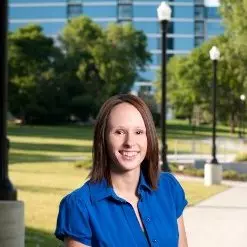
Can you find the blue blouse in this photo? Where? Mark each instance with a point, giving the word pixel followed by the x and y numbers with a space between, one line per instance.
pixel 94 215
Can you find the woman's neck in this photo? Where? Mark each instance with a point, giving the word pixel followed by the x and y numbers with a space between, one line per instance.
pixel 125 184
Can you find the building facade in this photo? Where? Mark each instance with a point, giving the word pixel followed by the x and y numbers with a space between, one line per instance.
pixel 193 21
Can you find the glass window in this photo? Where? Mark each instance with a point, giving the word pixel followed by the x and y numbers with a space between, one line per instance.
pixel 145 11
pixel 148 27
pixel 38 12
pixel 177 43
pixel 212 13
pixel 199 2
pixel 148 75
pixel 100 12
pixel 199 27
pixel 183 27
pixel 199 12
pixel 214 28
pixel 73 1
pixel 152 43
pixel 124 12
pixel 169 43
pixel 35 1
pixel 183 43
pixel 74 10
pixel 125 1
pixel 198 41
pixel 183 12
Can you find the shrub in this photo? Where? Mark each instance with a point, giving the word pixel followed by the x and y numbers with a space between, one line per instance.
pixel 241 157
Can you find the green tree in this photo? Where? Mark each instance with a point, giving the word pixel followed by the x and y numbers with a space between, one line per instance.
pixel 190 81
pixel 102 62
pixel 34 93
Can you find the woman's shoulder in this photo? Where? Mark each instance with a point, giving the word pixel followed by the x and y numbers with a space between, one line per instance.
pixel 167 179
pixel 80 194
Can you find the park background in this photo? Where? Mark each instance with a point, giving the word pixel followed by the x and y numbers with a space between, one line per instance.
pixel 56 90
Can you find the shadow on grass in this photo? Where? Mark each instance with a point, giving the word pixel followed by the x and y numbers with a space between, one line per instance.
pixel 67 132
pixel 29 158
pixel 43 189
pixel 50 147
pixel 35 237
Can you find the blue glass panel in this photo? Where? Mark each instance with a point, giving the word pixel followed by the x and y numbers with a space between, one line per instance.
pixel 145 11
pixel 37 12
pixel 183 27
pixel 152 43
pixel 148 27
pixel 102 11
pixel 215 28
pixel 148 75
pixel 125 12
pixel 212 13
pixel 183 43
pixel 48 28
pixel 37 1
pixel 183 12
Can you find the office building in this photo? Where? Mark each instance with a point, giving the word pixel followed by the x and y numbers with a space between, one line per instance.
pixel 193 21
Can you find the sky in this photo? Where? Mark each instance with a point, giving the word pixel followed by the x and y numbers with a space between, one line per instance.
pixel 212 3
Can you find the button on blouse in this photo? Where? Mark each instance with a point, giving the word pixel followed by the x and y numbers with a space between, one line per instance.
pixel 94 215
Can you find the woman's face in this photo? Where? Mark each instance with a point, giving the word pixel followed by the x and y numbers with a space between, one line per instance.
pixel 126 138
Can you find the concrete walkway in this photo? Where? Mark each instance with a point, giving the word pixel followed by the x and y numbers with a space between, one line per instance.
pixel 220 220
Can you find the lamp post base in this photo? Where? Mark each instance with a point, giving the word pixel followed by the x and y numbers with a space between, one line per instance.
pixel 12 230
pixel 212 174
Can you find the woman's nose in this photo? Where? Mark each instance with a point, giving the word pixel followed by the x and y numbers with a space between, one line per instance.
pixel 129 140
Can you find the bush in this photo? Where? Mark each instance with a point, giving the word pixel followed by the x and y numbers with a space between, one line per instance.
pixel 191 171
pixel 241 157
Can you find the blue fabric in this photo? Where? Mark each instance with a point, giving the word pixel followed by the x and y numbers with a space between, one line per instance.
pixel 94 215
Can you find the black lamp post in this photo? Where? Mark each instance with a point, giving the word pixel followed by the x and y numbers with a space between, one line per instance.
pixel 242 127
pixel 214 56
pixel 164 16
pixel 7 191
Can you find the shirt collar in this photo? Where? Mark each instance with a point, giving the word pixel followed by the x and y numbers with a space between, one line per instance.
pixel 102 190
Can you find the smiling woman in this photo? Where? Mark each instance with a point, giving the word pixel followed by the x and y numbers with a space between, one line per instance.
pixel 127 201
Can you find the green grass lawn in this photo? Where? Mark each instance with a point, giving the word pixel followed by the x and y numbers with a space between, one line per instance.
pixel 42 177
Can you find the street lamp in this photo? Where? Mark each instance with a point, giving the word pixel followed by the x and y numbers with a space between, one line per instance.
pixel 214 56
pixel 213 170
pixel 164 16
pixel 7 191
pixel 242 98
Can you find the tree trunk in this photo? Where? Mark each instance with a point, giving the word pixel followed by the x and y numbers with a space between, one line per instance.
pixel 232 123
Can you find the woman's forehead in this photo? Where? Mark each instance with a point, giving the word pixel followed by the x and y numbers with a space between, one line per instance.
pixel 125 114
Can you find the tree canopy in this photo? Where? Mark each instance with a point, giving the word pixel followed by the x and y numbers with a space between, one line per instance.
pixel 48 83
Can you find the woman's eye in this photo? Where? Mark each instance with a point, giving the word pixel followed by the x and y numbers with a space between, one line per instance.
pixel 139 132
pixel 119 132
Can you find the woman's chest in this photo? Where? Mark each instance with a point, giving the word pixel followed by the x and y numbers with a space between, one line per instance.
pixel 118 224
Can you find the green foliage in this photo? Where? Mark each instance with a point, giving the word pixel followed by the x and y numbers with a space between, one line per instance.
pixel 47 84
pixel 35 94
pixel 241 157
pixel 104 62
pixel 191 171
pixel 190 81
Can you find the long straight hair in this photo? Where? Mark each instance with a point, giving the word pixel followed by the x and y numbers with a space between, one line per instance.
pixel 101 160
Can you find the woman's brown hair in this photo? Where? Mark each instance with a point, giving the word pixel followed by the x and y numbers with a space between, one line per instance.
pixel 101 166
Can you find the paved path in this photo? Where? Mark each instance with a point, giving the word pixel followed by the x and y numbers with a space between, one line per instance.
pixel 220 221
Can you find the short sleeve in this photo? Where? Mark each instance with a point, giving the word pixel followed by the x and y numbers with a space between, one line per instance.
pixel 178 194
pixel 73 221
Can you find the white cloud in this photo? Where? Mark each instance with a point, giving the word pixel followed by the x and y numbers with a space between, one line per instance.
pixel 212 3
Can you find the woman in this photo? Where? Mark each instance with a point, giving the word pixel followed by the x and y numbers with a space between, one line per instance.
pixel 127 201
